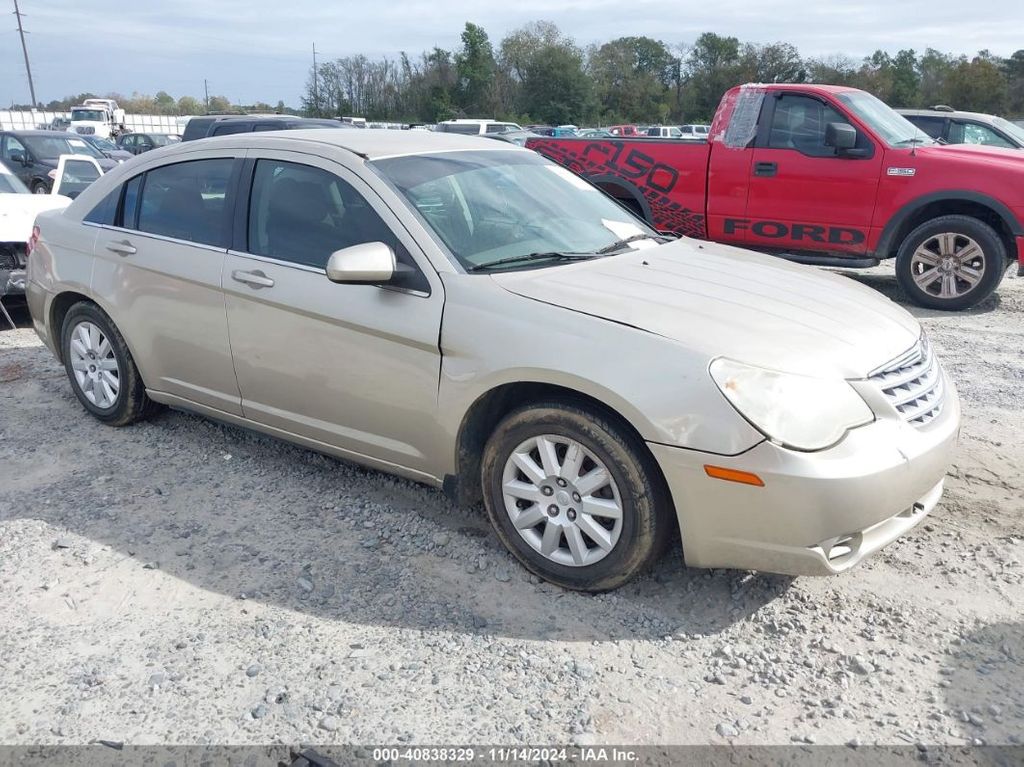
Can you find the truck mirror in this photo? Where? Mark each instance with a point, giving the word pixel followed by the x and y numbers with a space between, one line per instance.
pixel 841 136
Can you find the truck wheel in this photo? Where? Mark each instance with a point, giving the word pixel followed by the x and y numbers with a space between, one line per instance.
pixel 573 498
pixel 951 263
pixel 40 187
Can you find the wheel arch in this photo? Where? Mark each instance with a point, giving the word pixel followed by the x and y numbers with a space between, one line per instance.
pixel 61 304
pixel 625 193
pixel 464 486
pixel 954 202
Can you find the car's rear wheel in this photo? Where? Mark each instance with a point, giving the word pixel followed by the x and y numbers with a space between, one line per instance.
pixel 571 494
pixel 102 372
pixel 951 263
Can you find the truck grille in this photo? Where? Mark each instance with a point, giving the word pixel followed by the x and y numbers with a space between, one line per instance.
pixel 85 130
pixel 913 384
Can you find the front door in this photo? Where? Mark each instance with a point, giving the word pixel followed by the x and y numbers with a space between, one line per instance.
pixel 355 367
pixel 802 195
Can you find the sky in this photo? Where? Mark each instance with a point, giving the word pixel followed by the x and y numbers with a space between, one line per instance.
pixel 261 50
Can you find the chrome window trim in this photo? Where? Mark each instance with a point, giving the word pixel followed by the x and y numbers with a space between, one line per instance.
pixel 160 237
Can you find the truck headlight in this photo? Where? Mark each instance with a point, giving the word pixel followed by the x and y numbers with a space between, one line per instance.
pixel 796 411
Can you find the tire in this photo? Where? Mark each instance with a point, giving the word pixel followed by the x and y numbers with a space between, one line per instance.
pixel 129 402
pixel 946 285
pixel 40 187
pixel 632 543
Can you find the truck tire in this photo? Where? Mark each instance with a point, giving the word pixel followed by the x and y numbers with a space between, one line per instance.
pixel 951 263
pixel 573 497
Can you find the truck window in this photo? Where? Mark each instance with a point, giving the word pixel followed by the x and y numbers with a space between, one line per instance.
pixel 933 126
pixel 743 123
pixel 973 133
pixel 799 123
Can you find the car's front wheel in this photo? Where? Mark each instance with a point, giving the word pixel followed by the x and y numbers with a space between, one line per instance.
pixel 39 187
pixel 102 372
pixel 951 263
pixel 574 497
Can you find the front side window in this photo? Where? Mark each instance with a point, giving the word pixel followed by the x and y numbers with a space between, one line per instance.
pixel 186 201
pixel 498 205
pixel 13 149
pixel 303 214
pixel 799 123
pixel 11 185
pixel 934 127
pixel 973 133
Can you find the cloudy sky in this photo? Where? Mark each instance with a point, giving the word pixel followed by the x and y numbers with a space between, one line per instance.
pixel 260 49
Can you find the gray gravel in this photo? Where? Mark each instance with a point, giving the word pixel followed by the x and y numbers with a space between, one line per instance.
pixel 185 582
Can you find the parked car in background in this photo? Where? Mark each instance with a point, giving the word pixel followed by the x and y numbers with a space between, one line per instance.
pixel 33 155
pixel 663 131
pixel 225 125
pixel 623 130
pixel 477 318
pixel 137 143
pixel 953 127
pixel 694 131
pixel 18 211
pixel 98 117
pixel 517 137
pixel 826 175
pixel 475 127
pixel 59 124
pixel 593 133
pixel 107 148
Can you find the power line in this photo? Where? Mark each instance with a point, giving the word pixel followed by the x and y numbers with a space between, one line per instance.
pixel 24 50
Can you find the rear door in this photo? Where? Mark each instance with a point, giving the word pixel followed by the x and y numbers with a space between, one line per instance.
pixel 355 367
pixel 159 257
pixel 802 195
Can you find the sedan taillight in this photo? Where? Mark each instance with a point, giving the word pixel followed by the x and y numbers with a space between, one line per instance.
pixel 32 241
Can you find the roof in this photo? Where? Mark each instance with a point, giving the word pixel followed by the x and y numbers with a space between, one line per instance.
pixel 981 116
pixel 800 87
pixel 65 134
pixel 371 143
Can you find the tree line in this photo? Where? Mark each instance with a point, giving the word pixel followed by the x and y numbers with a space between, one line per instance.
pixel 539 74
pixel 161 104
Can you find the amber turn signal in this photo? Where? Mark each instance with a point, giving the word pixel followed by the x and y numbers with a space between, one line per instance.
pixel 733 475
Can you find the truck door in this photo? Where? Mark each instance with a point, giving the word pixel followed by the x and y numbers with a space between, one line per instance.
pixel 803 195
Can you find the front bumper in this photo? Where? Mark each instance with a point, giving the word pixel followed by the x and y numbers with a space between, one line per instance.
pixel 818 513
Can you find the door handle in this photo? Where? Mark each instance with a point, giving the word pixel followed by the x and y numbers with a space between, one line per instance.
pixel 123 248
pixel 765 168
pixel 255 279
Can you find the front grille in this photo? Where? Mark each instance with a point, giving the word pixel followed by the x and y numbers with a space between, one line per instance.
pixel 85 130
pixel 913 384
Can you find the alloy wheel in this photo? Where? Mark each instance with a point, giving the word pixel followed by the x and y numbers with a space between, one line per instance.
pixel 947 265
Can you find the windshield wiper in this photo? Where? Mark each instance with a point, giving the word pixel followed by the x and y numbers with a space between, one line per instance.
pixel 915 141
pixel 620 244
pixel 528 257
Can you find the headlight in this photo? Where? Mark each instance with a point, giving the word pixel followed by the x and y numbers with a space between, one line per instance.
pixel 797 411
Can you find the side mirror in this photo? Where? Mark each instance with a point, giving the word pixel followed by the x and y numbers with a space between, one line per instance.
pixel 19 156
pixel 842 136
pixel 368 262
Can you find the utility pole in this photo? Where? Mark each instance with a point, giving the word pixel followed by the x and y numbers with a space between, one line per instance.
pixel 316 97
pixel 206 93
pixel 24 50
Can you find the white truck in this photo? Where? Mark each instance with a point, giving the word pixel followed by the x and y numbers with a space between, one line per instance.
pixel 98 117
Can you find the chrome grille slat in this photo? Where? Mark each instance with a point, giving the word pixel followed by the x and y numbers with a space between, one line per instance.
pixel 913 384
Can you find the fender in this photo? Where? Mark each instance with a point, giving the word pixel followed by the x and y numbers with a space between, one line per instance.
pixel 896 221
pixel 634 191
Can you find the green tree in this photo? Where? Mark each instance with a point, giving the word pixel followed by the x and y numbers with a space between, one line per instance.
pixel 713 66
pixel 475 67
pixel 555 88
pixel 632 77
pixel 978 85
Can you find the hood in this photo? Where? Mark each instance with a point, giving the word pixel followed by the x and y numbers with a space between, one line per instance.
pixel 733 303
pixel 18 213
pixel 992 156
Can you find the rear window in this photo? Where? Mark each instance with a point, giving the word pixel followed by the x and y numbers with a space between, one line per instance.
pixel 468 129
pixel 187 201
pixel 225 129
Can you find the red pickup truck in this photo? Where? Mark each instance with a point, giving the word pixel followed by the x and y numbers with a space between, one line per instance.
pixel 825 175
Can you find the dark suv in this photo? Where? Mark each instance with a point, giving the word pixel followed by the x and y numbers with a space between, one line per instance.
pixel 946 124
pixel 223 125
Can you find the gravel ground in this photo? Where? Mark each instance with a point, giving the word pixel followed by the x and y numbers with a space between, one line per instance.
pixel 182 581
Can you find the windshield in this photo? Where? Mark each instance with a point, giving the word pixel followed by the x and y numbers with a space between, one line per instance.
pixel 893 128
pixel 89 115
pixel 102 144
pixel 12 185
pixel 491 206
pixel 1011 129
pixel 52 147
pixel 163 139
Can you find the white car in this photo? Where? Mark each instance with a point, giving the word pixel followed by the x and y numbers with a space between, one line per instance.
pixel 475 127
pixel 18 211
